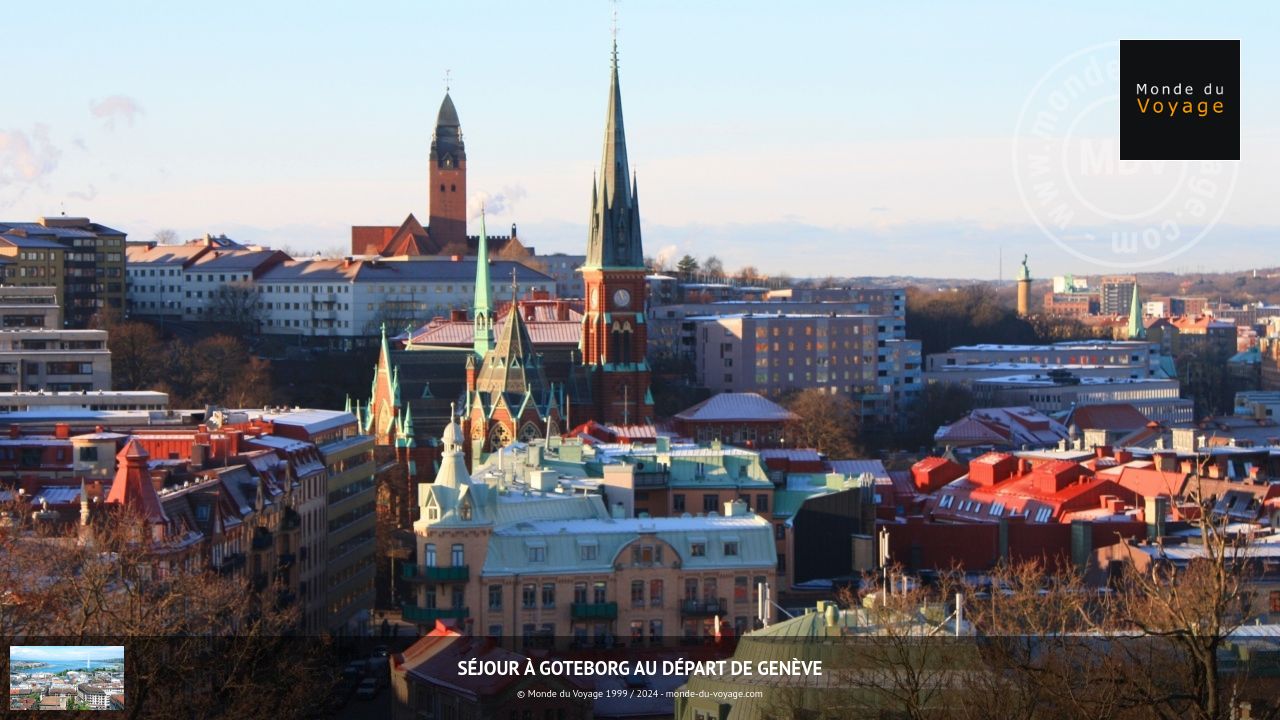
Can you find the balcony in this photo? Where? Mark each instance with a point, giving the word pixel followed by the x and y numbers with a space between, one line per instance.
pixel 413 613
pixel 455 574
pixel 262 539
pixel 230 563
pixel 704 607
pixel 594 611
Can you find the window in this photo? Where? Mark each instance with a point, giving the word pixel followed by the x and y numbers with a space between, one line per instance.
pixel 710 502
pixel 780 531
pixel 655 631
pixel 655 593
pixel 637 593
pixel 996 508
pixel 88 454
pixel 495 597
pixel 1042 515
pixel 429 558
pixel 741 593
pixel 731 548
pixel 548 595
pixel 588 552
pixel 455 556
pixel 698 549
pixel 529 596
pixel 762 503
pixel 537 553
pixel 677 502
pixel 580 592
pixel 599 593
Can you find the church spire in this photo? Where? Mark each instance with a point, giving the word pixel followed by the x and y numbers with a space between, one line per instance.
pixel 483 315
pixel 614 240
pixel 1136 331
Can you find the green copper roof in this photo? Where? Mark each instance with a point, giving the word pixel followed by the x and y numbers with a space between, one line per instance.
pixel 1135 330
pixel 481 306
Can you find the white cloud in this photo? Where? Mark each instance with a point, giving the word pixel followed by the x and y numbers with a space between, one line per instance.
pixel 26 160
pixel 110 108
pixel 495 203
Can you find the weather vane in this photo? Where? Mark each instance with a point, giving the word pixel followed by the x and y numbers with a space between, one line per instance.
pixel 447 76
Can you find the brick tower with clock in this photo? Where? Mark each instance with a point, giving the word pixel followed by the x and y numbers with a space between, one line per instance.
pixel 614 335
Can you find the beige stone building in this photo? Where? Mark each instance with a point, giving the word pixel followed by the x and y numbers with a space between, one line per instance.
pixel 538 559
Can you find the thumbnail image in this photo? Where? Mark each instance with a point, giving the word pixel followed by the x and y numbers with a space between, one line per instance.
pixel 66 677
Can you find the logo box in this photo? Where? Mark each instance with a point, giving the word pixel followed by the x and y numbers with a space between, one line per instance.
pixel 1179 99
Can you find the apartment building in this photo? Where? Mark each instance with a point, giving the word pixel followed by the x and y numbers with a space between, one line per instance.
pixel 92 277
pixel 53 360
pixel 541 560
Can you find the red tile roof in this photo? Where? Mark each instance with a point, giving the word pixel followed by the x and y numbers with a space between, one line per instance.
pixel 1110 416
pixel 132 486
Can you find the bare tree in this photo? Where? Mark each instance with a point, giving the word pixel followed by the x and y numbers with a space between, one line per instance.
pixel 238 306
pixel 165 236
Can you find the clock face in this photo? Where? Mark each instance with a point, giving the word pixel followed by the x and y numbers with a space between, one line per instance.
pixel 621 298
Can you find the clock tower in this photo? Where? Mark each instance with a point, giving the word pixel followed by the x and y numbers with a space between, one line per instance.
pixel 614 335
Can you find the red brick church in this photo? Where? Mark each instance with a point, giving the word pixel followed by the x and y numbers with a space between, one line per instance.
pixel 446 230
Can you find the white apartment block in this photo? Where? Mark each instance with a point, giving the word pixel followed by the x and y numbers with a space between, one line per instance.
pixel 54 360
pixel 350 299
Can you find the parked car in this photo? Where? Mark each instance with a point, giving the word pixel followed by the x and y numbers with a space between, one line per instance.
pixel 368 689
pixel 355 670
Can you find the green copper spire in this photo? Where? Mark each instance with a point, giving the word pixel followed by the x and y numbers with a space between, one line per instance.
pixel 1136 330
pixel 614 239
pixel 482 312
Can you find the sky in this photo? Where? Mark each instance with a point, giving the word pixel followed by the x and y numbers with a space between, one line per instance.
pixel 66 653
pixel 810 138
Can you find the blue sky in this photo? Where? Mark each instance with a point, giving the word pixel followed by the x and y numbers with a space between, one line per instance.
pixel 66 653
pixel 875 138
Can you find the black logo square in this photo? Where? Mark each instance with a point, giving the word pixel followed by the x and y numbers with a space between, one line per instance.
pixel 1179 99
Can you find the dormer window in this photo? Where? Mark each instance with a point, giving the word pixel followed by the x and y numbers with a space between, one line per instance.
pixel 433 513
pixel 464 510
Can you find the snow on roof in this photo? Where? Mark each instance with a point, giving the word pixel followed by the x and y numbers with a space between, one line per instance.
pixel 737 406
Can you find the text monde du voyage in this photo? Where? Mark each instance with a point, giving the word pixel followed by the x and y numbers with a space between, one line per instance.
pixel 1179 100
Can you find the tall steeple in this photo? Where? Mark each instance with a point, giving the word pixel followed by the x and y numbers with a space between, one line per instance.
pixel 481 306
pixel 447 175
pixel 614 239
pixel 1136 331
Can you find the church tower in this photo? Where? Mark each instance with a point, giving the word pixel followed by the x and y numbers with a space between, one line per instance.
pixel 614 339
pixel 448 178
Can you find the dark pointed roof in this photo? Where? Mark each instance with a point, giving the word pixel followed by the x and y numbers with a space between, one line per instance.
pixel 446 141
pixel 448 115
pixel 614 239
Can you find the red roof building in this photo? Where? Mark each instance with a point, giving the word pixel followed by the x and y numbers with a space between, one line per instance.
pixel 428 683
pixel 748 419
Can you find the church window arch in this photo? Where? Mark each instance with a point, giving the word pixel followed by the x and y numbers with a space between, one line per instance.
pixel 499 437
pixel 529 432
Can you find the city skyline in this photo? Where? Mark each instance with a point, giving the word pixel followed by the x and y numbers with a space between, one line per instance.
pixel 819 141
pixel 66 653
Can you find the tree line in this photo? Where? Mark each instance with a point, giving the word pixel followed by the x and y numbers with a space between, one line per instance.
pixel 213 370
